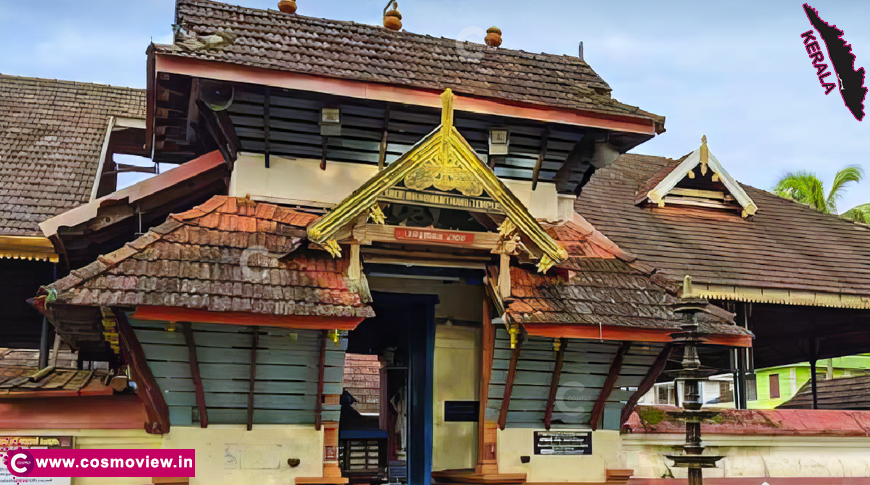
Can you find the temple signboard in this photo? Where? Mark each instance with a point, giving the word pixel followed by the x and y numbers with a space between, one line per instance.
pixel 441 199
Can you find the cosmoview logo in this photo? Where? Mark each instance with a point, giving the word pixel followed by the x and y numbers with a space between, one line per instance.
pixel 20 463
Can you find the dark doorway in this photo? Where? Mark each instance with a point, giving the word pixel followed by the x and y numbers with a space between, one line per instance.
pixel 403 336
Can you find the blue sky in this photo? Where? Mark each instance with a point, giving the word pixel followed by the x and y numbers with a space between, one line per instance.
pixel 735 71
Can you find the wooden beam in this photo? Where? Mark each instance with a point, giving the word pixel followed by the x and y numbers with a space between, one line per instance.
pixel 614 332
pixel 554 385
pixel 612 376
pixel 582 152
pixel 509 385
pixel 318 405
pixel 305 322
pixel 255 342
pixel 541 156
pixel 485 454
pixel 267 99
pixel 323 150
pixel 212 124
pixel 146 386
pixel 194 371
pixel 504 277
pixel 382 148
pixel 647 383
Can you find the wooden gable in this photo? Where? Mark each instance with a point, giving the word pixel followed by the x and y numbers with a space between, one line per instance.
pixel 710 186
pixel 443 160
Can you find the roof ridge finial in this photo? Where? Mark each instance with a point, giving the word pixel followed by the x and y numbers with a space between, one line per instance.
pixel 687 287
pixel 705 155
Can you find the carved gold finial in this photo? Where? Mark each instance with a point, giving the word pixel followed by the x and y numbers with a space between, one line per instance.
pixel 514 331
pixel 377 215
pixel 506 228
pixel 705 155
pixel 687 287
pixel 691 173
pixel 545 264
pixel 332 248
pixel 557 344
pixel 447 109
pixel 335 336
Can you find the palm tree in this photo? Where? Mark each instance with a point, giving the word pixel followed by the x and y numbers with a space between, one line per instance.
pixel 806 188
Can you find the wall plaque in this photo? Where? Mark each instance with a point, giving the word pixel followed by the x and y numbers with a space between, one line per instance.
pixel 434 236
pixel 563 442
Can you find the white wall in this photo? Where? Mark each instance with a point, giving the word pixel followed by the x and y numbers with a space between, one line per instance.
pixel 516 442
pixel 299 181
pixel 230 454
pixel 754 456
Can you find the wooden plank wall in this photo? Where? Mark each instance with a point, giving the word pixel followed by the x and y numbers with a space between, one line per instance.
pixel 585 368
pixel 285 389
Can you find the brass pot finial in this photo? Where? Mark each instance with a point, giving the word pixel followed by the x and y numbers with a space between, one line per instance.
pixel 287 6
pixel 493 37
pixel 393 18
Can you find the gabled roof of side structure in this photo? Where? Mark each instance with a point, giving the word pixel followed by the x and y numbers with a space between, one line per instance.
pixel 347 50
pixel 227 255
pixel 604 293
pixel 657 187
pixel 786 253
pixel 445 160
pixel 51 139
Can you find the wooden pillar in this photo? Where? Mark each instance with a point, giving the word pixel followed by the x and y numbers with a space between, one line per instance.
pixel 330 450
pixel 255 342
pixel 487 462
pixel 318 405
pixel 554 384
pixel 194 372
pixel 509 385
pixel 609 383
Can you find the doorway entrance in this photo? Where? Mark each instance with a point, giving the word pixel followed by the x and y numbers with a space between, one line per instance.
pixel 392 440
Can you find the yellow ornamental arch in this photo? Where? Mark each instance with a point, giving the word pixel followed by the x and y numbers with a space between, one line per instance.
pixel 443 159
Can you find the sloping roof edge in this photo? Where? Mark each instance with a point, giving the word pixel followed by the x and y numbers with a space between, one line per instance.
pixel 133 193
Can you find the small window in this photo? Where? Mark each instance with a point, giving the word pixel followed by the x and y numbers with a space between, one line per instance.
pixel 752 388
pixel 774 386
pixel 663 395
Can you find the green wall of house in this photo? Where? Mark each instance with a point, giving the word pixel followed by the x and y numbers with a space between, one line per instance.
pixel 793 377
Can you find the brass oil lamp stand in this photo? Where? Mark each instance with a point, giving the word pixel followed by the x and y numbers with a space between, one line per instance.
pixel 691 376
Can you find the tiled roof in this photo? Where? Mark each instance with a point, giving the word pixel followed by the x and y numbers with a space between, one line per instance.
pixel 601 289
pixel 786 245
pixel 347 50
pixel 843 393
pixel 754 422
pixel 657 178
pixel 195 260
pixel 51 137
pixel 362 379
pixel 16 382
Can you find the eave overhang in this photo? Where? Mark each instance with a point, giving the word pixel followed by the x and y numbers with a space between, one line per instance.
pixel 165 63
pixel 34 248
